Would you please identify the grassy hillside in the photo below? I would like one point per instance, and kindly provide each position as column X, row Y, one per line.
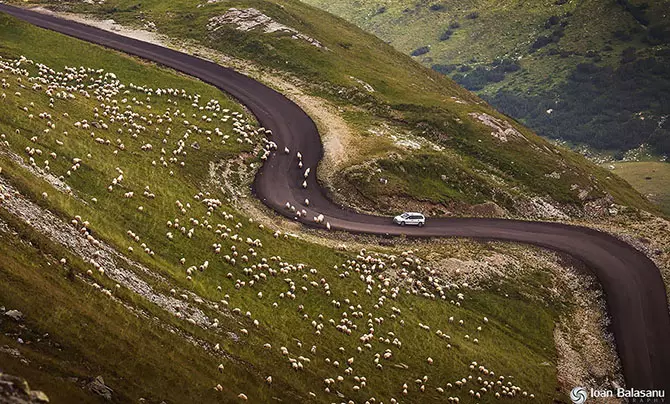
column 587, row 71
column 128, row 262
column 650, row 178
column 385, row 96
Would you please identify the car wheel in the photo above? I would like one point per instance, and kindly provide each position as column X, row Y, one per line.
column 402, row 223
column 421, row 224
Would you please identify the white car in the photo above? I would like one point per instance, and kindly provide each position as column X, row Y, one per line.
column 410, row 218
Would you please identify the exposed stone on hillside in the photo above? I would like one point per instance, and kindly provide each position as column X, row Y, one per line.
column 15, row 390
column 502, row 129
column 249, row 19
column 99, row 387
column 14, row 315
column 114, row 264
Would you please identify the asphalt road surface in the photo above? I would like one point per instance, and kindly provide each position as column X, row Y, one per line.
column 635, row 294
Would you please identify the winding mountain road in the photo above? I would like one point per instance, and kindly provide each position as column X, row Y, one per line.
column 635, row 293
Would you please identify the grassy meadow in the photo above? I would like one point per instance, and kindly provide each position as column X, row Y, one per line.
column 650, row 178
column 476, row 166
column 53, row 108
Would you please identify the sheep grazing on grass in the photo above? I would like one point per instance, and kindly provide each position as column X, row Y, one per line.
column 384, row 277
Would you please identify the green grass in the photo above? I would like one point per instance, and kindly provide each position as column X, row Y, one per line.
column 502, row 29
column 75, row 332
column 138, row 357
column 584, row 33
column 649, row 178
column 407, row 95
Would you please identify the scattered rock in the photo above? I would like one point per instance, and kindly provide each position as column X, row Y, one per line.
column 98, row 387
column 488, row 209
column 15, row 390
column 6, row 349
column 14, row 315
column 251, row 19
column 365, row 85
column 503, row 130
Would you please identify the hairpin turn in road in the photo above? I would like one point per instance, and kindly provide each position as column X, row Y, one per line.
column 635, row 293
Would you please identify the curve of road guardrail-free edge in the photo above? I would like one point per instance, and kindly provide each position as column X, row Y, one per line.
column 634, row 290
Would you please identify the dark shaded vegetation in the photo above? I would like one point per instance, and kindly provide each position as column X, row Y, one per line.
column 558, row 26
column 437, row 7
column 420, row 51
column 541, row 42
column 506, row 65
column 553, row 20
column 658, row 34
column 615, row 108
column 478, row 78
column 637, row 11
column 446, row 35
column 444, row 69
column 449, row 32
column 628, row 55
column 472, row 16
column 603, row 107
column 623, row 35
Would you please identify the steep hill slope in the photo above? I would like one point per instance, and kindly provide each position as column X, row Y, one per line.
column 585, row 71
column 136, row 276
column 413, row 139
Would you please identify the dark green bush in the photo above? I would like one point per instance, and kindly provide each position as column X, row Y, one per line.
column 420, row 51
column 444, row 69
column 446, row 35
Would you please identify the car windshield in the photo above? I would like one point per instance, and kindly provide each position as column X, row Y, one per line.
column 404, row 215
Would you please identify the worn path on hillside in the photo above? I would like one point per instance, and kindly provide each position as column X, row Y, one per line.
column 635, row 293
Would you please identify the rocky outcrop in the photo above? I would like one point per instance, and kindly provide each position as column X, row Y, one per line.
column 15, row 390
column 14, row 315
column 249, row 19
column 502, row 129
column 99, row 387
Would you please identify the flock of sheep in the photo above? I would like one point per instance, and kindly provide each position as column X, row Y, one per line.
column 126, row 120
